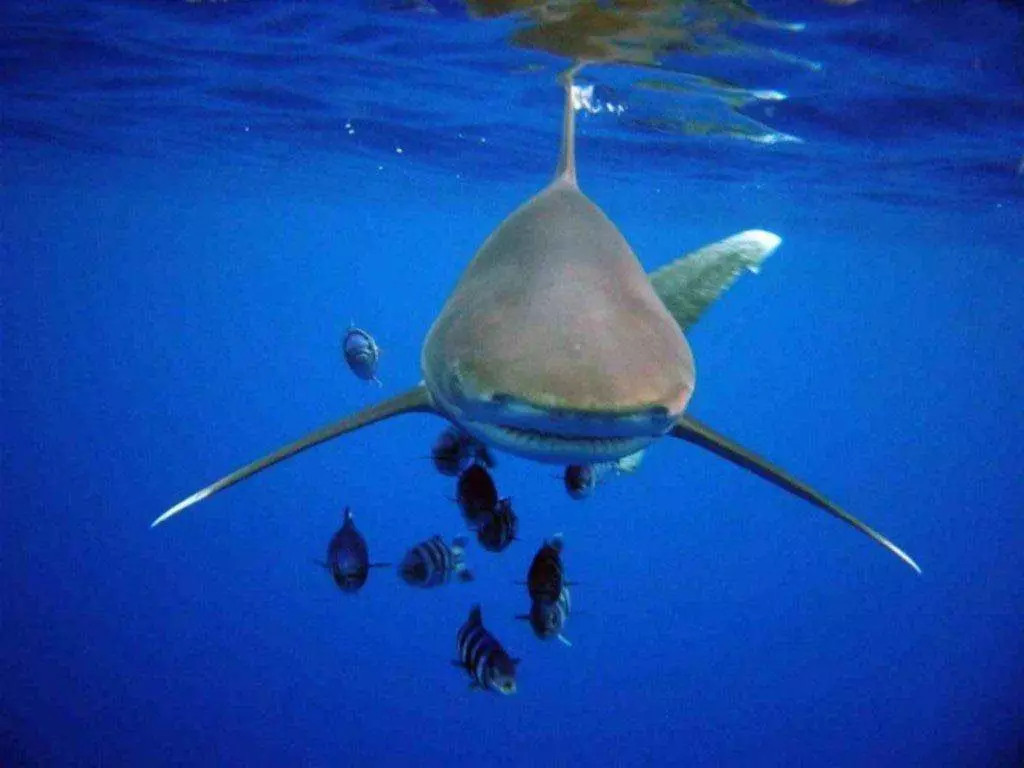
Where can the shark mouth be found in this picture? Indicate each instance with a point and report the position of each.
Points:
(548, 432)
(553, 447)
(559, 435)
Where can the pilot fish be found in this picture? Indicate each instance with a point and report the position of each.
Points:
(546, 576)
(432, 563)
(362, 354)
(499, 527)
(476, 494)
(454, 451)
(485, 660)
(582, 479)
(547, 619)
(348, 558)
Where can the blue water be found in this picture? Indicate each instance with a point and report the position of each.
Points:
(188, 226)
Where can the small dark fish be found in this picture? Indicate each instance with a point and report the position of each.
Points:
(476, 494)
(488, 664)
(580, 480)
(348, 559)
(454, 450)
(548, 620)
(546, 576)
(432, 563)
(450, 452)
(500, 527)
(362, 354)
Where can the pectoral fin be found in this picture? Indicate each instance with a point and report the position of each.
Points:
(695, 432)
(689, 285)
(414, 400)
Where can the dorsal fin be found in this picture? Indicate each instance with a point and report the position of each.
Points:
(567, 157)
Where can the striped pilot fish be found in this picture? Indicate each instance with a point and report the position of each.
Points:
(546, 577)
(499, 527)
(432, 563)
(489, 666)
(548, 620)
(362, 354)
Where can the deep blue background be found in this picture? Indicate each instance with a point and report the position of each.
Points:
(172, 309)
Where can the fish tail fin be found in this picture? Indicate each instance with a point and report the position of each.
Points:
(414, 400)
(695, 432)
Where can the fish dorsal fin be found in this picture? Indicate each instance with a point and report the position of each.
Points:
(567, 157)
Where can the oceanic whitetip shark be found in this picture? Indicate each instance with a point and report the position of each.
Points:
(556, 346)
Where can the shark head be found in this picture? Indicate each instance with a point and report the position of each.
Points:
(554, 345)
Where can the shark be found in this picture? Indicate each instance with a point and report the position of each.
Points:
(556, 346)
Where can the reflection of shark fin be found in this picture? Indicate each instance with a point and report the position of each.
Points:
(567, 155)
(695, 432)
(414, 400)
(689, 285)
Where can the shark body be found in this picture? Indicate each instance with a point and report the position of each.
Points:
(556, 346)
